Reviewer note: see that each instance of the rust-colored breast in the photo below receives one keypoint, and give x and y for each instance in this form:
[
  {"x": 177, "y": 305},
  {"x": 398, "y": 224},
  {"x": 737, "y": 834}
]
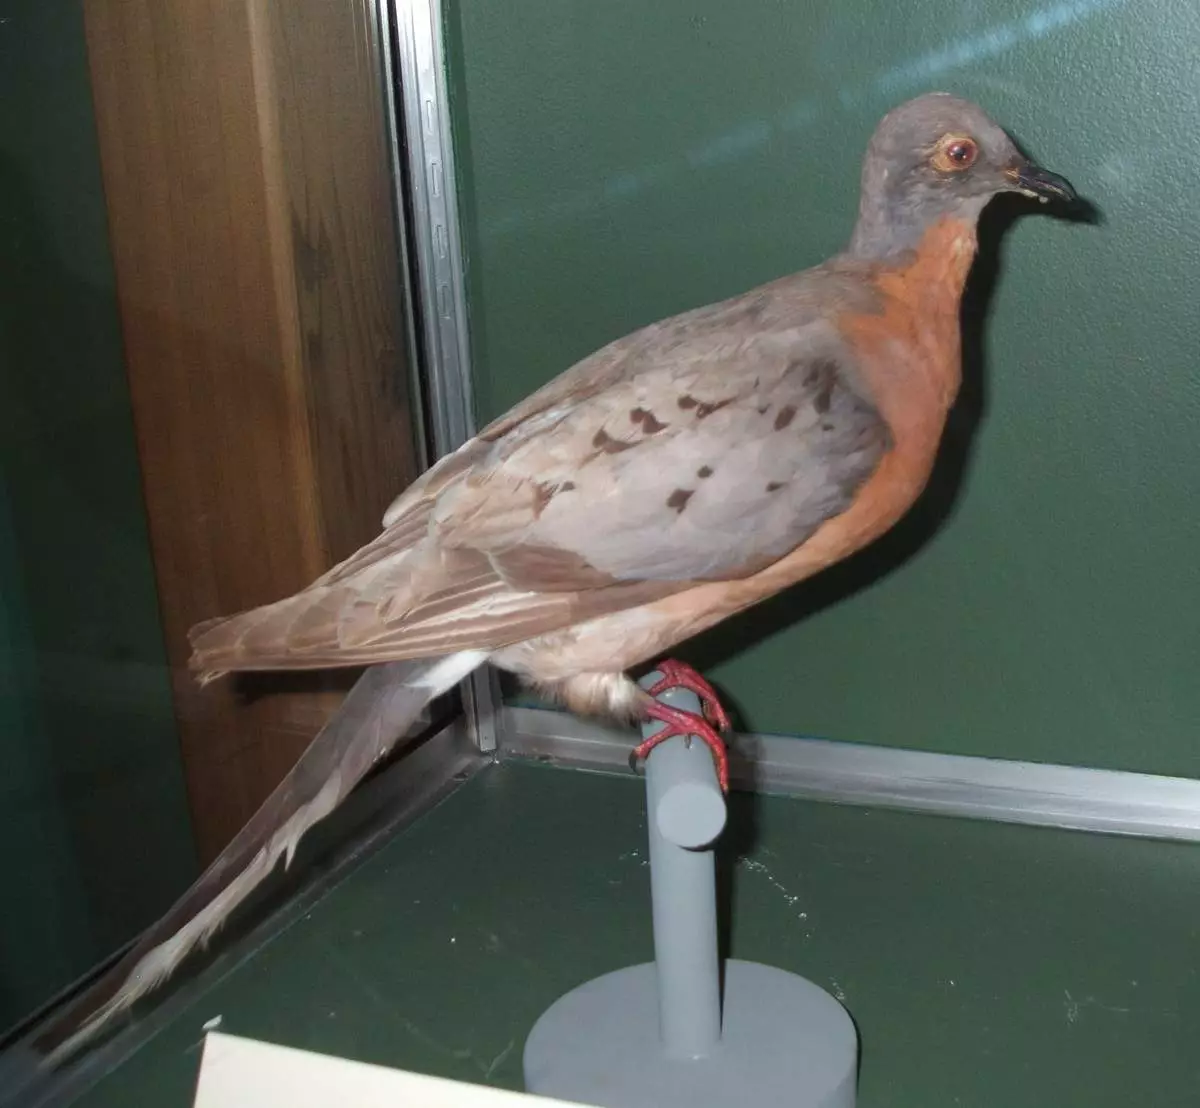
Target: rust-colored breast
[
  {"x": 910, "y": 350},
  {"x": 909, "y": 353}
]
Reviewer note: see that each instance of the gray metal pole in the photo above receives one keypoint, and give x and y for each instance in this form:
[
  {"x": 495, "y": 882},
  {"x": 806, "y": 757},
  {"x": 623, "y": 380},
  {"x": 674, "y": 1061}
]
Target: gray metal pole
[{"x": 686, "y": 811}]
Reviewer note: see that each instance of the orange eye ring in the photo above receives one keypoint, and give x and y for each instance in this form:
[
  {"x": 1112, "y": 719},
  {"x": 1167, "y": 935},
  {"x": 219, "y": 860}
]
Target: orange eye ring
[{"x": 956, "y": 153}]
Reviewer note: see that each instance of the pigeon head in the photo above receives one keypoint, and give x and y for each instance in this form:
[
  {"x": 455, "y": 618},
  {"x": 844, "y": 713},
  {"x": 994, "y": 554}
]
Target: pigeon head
[{"x": 939, "y": 157}]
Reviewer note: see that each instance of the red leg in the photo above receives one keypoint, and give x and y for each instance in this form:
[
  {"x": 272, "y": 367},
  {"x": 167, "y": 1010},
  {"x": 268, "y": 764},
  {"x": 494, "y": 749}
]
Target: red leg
[
  {"x": 679, "y": 675},
  {"x": 679, "y": 722}
]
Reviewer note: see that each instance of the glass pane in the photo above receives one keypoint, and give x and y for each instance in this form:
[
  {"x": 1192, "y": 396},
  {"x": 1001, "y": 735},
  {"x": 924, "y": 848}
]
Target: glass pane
[
  {"x": 204, "y": 404},
  {"x": 95, "y": 838}
]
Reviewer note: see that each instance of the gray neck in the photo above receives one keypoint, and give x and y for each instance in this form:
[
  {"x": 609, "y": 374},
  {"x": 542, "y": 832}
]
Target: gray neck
[
  {"x": 880, "y": 234},
  {"x": 889, "y": 225}
]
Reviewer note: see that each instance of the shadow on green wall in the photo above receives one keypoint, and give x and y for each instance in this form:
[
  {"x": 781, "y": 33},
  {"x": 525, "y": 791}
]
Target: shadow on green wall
[{"x": 94, "y": 833}]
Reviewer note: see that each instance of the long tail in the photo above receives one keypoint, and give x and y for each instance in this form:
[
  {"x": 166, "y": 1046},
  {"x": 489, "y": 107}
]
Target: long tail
[{"x": 378, "y": 711}]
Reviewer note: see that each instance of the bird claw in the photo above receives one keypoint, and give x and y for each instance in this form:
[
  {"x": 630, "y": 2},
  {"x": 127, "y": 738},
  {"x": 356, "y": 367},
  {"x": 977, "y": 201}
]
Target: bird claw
[
  {"x": 679, "y": 675},
  {"x": 679, "y": 722}
]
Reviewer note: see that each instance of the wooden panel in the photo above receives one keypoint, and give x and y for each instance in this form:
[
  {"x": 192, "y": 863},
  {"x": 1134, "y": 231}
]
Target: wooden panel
[
  {"x": 334, "y": 158},
  {"x": 247, "y": 183}
]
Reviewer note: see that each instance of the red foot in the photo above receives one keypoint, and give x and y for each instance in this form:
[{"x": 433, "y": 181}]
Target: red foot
[
  {"x": 679, "y": 675},
  {"x": 678, "y": 722}
]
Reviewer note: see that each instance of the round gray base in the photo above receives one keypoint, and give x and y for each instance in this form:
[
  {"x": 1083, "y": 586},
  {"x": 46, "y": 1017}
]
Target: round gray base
[{"x": 784, "y": 1041}]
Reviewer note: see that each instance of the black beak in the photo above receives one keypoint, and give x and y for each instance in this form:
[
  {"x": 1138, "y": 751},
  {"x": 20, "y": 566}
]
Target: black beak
[{"x": 1035, "y": 181}]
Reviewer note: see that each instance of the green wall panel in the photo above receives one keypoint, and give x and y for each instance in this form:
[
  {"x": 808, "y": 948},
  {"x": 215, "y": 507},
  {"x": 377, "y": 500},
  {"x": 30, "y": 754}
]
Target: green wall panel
[
  {"x": 94, "y": 833},
  {"x": 623, "y": 161}
]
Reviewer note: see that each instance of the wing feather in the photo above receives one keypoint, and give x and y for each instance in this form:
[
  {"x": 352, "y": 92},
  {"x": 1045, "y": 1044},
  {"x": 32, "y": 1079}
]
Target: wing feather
[{"x": 701, "y": 448}]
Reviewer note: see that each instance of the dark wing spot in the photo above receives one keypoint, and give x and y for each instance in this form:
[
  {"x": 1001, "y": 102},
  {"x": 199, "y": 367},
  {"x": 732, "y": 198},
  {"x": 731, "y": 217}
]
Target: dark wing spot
[
  {"x": 704, "y": 471},
  {"x": 679, "y": 499},
  {"x": 542, "y": 495},
  {"x": 824, "y": 395},
  {"x": 818, "y": 369},
  {"x": 605, "y": 442},
  {"x": 785, "y": 416},
  {"x": 566, "y": 486},
  {"x": 822, "y": 376},
  {"x": 705, "y": 410},
  {"x": 650, "y": 424},
  {"x": 774, "y": 486}
]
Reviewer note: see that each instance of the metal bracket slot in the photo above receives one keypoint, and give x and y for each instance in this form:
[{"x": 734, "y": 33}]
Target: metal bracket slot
[{"x": 419, "y": 116}]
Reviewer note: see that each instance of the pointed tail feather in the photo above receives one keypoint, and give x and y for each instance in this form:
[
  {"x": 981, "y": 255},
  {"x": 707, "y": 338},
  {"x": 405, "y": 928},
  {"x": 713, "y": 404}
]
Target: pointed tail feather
[{"x": 377, "y": 712}]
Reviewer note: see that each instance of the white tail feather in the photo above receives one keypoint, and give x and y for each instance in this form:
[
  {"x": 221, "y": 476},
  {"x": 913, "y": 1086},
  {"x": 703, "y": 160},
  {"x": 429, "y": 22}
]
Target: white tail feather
[
  {"x": 378, "y": 711},
  {"x": 159, "y": 963}
]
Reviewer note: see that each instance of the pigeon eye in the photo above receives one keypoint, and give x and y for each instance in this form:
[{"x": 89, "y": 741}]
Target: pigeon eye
[
  {"x": 956, "y": 152},
  {"x": 961, "y": 153}
]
